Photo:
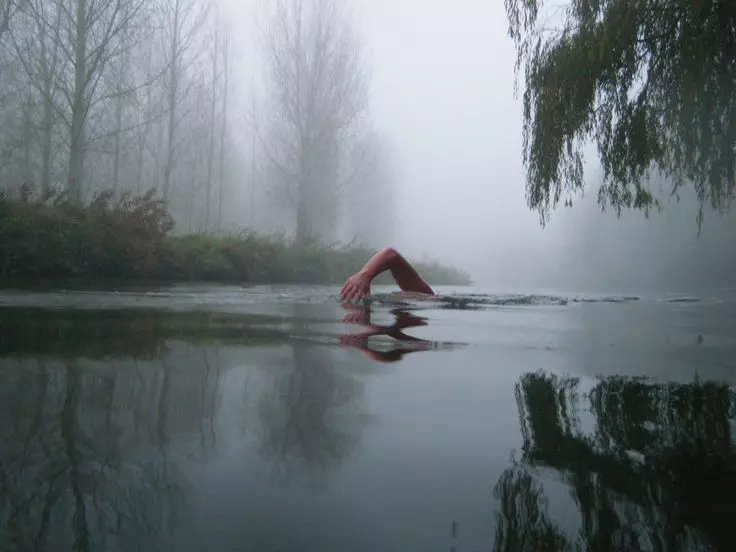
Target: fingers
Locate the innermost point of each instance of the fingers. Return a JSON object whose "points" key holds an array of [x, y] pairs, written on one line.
{"points": [[346, 291], [353, 291]]}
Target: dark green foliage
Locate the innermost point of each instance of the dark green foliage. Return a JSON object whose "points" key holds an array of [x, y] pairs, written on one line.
{"points": [[48, 239], [651, 82]]}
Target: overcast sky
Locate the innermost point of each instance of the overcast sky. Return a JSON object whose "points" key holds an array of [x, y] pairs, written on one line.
{"points": [[442, 94], [443, 90]]}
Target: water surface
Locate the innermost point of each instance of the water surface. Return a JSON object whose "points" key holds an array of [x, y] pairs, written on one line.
{"points": [[275, 419]]}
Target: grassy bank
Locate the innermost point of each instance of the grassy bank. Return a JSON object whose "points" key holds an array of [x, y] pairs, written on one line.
{"points": [[49, 240]]}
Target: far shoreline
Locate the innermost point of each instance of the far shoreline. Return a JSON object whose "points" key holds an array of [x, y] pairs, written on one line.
{"points": [[47, 244], [114, 284]]}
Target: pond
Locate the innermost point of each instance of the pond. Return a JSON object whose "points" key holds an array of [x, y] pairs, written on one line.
{"points": [[276, 419]]}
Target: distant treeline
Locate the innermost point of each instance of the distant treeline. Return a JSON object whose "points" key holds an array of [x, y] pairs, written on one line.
{"points": [[50, 240]]}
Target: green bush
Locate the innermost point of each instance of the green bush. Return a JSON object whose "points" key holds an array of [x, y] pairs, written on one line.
{"points": [[51, 239]]}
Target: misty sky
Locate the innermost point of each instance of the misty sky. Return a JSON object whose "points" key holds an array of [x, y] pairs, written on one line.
{"points": [[442, 95]]}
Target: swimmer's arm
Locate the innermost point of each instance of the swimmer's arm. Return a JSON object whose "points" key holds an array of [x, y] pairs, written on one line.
{"points": [[406, 276]]}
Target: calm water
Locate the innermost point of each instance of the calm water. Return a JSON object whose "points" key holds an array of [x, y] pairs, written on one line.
{"points": [[274, 419]]}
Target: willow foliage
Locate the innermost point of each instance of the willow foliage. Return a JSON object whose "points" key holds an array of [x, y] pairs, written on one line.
{"points": [[650, 82]]}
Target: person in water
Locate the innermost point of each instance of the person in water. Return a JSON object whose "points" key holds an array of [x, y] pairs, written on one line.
{"points": [[359, 284]]}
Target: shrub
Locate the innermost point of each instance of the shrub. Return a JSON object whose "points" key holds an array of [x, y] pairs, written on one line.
{"points": [[47, 238]]}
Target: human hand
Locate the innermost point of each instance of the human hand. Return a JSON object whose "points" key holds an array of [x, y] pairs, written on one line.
{"points": [[356, 287]]}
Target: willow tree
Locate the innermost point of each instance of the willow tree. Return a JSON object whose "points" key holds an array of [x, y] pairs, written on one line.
{"points": [[650, 82]]}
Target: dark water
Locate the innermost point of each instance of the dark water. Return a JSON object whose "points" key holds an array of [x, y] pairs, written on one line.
{"points": [[274, 419]]}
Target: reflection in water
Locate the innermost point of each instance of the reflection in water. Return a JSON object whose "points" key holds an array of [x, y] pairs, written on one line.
{"points": [[403, 319], [75, 466], [311, 419], [656, 471], [136, 430], [103, 413]]}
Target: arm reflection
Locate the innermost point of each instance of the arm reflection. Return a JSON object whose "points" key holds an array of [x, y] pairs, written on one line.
{"points": [[404, 319]]}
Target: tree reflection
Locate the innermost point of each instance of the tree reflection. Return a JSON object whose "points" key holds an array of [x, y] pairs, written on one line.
{"points": [[656, 471], [523, 524], [87, 453], [312, 417]]}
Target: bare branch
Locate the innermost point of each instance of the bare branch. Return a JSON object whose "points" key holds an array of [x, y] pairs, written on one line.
{"points": [[317, 99]]}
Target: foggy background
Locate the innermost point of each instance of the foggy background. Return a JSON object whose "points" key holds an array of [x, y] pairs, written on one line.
{"points": [[438, 147], [443, 97]]}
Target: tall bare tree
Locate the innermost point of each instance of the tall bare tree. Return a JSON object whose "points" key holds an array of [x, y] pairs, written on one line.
{"points": [[123, 100], [147, 112], [212, 122], [88, 34], [317, 101], [183, 21], [223, 128], [122, 89], [35, 39], [49, 69], [96, 30]]}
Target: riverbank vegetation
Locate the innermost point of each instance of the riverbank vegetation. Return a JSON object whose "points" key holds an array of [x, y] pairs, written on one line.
{"points": [[48, 239]]}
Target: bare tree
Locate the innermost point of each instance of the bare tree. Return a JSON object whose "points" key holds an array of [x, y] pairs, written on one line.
{"points": [[35, 40], [97, 28], [318, 98], [49, 72], [146, 112], [118, 94], [223, 127], [88, 35], [122, 93], [183, 20], [212, 123]]}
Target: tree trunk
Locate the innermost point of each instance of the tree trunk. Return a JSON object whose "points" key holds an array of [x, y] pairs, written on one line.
{"points": [[116, 154], [253, 166], [122, 98], [223, 132], [160, 155], [174, 82], [48, 105], [26, 137], [139, 160], [142, 139], [303, 224], [211, 148], [76, 149]]}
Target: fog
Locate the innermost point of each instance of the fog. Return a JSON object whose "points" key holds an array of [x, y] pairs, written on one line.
{"points": [[427, 155], [442, 82], [442, 95]]}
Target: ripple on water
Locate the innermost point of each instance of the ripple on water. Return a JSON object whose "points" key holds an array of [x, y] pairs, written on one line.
{"points": [[234, 297]]}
